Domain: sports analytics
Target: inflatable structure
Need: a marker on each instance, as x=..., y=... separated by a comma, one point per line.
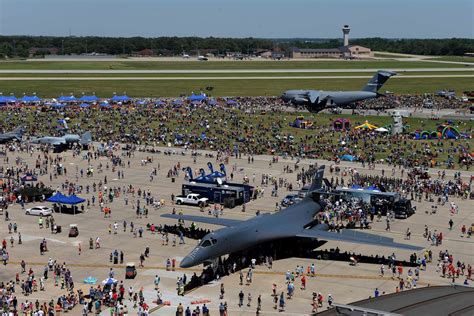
x=341, y=124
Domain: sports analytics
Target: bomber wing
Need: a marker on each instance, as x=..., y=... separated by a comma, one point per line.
x=202, y=219
x=354, y=236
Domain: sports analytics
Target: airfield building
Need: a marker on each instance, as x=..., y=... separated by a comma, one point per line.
x=347, y=51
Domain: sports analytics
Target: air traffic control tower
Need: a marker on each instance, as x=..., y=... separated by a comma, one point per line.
x=345, y=32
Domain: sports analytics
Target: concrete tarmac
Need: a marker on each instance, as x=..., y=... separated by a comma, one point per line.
x=345, y=283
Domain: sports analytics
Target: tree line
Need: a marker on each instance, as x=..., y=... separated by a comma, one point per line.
x=21, y=46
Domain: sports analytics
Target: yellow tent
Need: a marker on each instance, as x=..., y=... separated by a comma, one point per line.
x=366, y=125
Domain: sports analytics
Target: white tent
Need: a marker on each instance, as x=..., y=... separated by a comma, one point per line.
x=381, y=130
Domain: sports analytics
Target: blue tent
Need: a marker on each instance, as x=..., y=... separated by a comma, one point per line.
x=159, y=103
x=30, y=98
x=197, y=97
x=120, y=98
x=212, y=102
x=347, y=157
x=66, y=98
x=62, y=199
x=58, y=105
x=89, y=98
x=231, y=102
x=7, y=98
x=372, y=188
x=105, y=104
x=84, y=105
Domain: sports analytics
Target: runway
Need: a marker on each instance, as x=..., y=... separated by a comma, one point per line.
x=221, y=78
x=226, y=71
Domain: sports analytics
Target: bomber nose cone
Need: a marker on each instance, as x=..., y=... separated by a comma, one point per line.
x=187, y=262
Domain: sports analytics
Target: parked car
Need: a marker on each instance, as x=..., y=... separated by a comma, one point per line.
x=192, y=199
x=39, y=211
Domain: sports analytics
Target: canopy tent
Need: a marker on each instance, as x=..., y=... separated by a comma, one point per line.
x=67, y=98
x=366, y=125
x=84, y=105
x=58, y=105
x=30, y=99
x=109, y=281
x=197, y=97
x=159, y=103
x=120, y=98
x=105, y=104
x=89, y=98
x=347, y=157
x=68, y=200
x=229, y=102
x=7, y=99
x=381, y=130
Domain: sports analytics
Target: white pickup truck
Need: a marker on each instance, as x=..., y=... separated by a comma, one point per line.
x=192, y=199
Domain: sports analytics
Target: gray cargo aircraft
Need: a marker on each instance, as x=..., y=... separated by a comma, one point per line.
x=65, y=140
x=297, y=220
x=318, y=100
x=16, y=134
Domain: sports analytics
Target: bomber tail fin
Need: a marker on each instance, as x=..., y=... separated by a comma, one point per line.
x=86, y=139
x=317, y=183
x=378, y=80
x=18, y=132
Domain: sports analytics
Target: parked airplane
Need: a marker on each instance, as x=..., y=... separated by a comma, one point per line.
x=318, y=100
x=16, y=134
x=66, y=140
x=297, y=220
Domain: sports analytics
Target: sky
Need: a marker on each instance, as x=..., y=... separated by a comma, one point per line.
x=239, y=18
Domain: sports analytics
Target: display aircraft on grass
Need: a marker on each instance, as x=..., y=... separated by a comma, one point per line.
x=297, y=220
x=16, y=134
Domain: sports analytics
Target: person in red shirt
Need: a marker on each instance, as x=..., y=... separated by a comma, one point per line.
x=303, y=282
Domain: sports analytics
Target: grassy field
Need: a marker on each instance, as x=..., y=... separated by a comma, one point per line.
x=455, y=58
x=238, y=87
x=306, y=64
x=260, y=132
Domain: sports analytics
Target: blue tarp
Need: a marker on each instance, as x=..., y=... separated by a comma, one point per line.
x=7, y=98
x=67, y=98
x=30, y=98
x=197, y=97
x=120, y=98
x=89, y=98
x=62, y=199
x=348, y=158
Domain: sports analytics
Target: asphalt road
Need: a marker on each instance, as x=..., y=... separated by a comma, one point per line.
x=189, y=71
x=224, y=78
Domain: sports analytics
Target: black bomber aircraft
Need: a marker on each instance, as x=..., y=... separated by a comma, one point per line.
x=298, y=220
